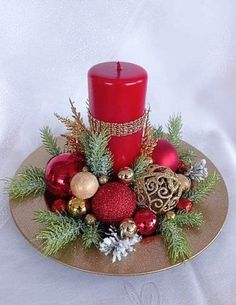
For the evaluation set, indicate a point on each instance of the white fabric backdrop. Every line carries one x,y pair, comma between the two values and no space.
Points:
188,49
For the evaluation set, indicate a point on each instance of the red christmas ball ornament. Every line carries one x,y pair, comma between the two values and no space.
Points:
59,172
146,221
113,202
59,205
165,154
54,203
184,204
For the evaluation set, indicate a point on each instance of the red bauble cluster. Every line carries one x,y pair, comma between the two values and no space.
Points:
165,154
146,221
59,172
113,202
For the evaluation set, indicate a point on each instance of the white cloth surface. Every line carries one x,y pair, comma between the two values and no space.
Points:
188,49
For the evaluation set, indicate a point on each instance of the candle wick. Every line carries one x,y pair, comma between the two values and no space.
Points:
118,66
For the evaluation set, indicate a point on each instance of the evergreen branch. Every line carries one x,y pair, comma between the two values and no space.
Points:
140,166
47,217
186,155
158,133
175,240
192,219
92,235
203,188
174,127
98,156
59,231
49,141
29,182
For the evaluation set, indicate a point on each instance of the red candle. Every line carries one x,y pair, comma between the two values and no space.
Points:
117,95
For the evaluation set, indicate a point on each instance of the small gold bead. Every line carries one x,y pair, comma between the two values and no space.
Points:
170,215
90,219
126,174
77,207
85,169
103,179
185,182
128,228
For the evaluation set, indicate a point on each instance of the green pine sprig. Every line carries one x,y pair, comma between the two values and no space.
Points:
158,133
29,182
174,127
204,188
140,166
49,141
186,155
59,231
92,235
193,219
98,156
175,240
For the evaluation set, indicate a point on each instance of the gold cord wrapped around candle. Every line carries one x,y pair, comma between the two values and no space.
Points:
118,129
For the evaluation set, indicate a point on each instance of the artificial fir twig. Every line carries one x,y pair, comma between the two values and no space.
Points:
175,240
203,189
175,130
59,231
49,141
140,166
158,133
98,156
193,219
92,235
29,182
186,155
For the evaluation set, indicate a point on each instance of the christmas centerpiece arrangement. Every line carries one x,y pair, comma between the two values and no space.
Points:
119,179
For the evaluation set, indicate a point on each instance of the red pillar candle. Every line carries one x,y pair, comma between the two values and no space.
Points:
117,95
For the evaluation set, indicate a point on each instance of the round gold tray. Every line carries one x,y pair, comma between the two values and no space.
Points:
150,255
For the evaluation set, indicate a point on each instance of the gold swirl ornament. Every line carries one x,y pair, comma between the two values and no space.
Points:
159,189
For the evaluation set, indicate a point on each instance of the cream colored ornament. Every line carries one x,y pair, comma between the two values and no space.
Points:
185,182
159,189
84,185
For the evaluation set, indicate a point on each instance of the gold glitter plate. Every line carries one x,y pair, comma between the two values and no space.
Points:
150,255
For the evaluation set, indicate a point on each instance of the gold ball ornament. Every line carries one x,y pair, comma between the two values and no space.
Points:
158,189
185,182
170,215
128,228
84,185
103,179
126,175
77,207
90,219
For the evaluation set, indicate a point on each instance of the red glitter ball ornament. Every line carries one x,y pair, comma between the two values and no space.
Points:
146,221
59,172
184,204
113,202
165,154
